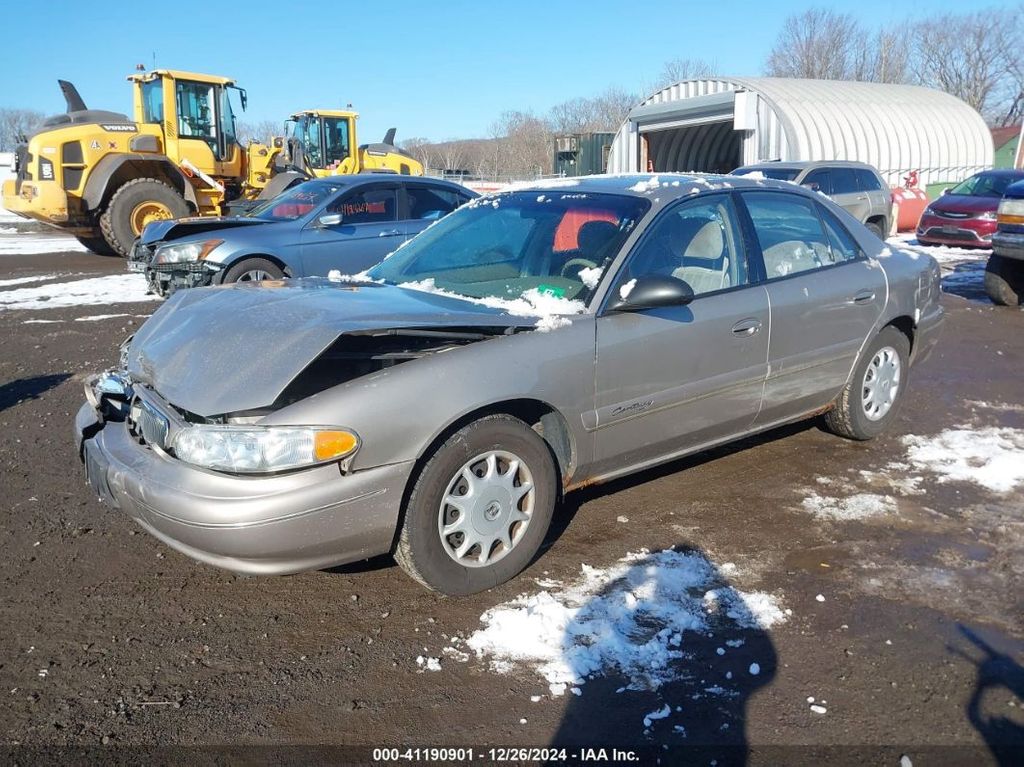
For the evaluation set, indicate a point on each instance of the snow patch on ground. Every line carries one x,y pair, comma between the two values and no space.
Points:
428,664
629,619
114,289
860,506
24,280
30,244
992,456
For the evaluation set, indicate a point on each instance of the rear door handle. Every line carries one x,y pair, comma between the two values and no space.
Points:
864,297
391,233
746,327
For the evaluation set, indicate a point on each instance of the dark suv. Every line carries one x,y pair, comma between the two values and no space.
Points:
855,186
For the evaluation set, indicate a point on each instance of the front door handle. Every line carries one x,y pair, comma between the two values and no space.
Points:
746,327
864,297
392,233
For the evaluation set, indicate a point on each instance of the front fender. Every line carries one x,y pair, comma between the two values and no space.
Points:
399,411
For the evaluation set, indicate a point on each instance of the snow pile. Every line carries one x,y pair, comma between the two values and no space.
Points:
532,303
860,506
591,275
428,664
552,322
31,244
992,457
115,289
647,185
628,620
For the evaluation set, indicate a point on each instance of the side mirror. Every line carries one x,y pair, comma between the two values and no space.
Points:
651,292
329,219
946,190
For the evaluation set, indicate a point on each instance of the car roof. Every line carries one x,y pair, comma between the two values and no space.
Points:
672,185
802,164
1011,172
351,179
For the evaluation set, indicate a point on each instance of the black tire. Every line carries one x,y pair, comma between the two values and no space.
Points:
875,228
848,417
420,550
1004,280
98,245
116,224
243,270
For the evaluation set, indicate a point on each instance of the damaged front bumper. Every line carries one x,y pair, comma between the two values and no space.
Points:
164,279
267,525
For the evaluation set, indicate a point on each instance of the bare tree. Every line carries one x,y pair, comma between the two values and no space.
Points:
884,57
679,69
819,43
420,148
15,124
604,112
977,57
262,131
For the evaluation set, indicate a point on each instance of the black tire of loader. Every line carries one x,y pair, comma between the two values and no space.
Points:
115,222
98,245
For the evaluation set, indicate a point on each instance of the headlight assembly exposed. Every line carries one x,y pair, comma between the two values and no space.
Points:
262,449
183,252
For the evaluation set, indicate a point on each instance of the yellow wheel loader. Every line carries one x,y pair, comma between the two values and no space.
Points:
102,176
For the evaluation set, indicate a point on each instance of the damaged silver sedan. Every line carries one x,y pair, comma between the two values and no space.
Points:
438,406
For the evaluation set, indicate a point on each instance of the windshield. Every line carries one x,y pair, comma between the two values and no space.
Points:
295,202
779,174
552,243
984,185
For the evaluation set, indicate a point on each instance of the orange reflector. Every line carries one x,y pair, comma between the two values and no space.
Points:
333,444
1006,218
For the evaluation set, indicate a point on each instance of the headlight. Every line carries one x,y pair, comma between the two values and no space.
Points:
988,215
186,251
262,449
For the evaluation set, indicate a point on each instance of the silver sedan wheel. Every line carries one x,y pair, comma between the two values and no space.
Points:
254,275
486,508
881,383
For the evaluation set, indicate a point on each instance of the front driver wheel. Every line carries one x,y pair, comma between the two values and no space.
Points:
870,400
480,508
253,270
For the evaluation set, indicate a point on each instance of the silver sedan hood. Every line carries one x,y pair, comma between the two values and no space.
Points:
227,349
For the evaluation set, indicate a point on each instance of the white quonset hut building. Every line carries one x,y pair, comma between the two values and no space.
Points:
719,124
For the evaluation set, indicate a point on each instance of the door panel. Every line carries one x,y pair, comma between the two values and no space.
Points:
674,378
825,299
368,232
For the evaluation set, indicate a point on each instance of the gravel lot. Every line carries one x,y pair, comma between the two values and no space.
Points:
879,588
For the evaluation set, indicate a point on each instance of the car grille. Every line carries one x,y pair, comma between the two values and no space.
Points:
953,234
148,423
952,214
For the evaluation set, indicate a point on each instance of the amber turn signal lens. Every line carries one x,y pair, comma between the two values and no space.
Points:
328,445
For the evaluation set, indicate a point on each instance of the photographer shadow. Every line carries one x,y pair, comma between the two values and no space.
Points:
669,654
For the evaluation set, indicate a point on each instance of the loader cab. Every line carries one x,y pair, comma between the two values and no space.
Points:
196,116
320,143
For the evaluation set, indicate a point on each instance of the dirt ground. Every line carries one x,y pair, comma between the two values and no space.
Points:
909,625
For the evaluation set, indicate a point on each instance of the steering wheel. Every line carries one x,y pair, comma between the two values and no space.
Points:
577,262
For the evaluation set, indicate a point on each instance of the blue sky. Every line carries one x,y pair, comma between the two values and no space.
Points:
437,69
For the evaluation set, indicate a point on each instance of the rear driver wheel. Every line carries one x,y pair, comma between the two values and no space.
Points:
871,398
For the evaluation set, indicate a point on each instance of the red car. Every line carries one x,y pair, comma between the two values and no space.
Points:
965,216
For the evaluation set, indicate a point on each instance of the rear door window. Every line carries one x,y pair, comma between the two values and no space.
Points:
789,232
844,247
431,203
867,180
845,181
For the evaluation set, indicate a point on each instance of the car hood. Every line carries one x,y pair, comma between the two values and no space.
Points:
184,227
232,348
962,203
